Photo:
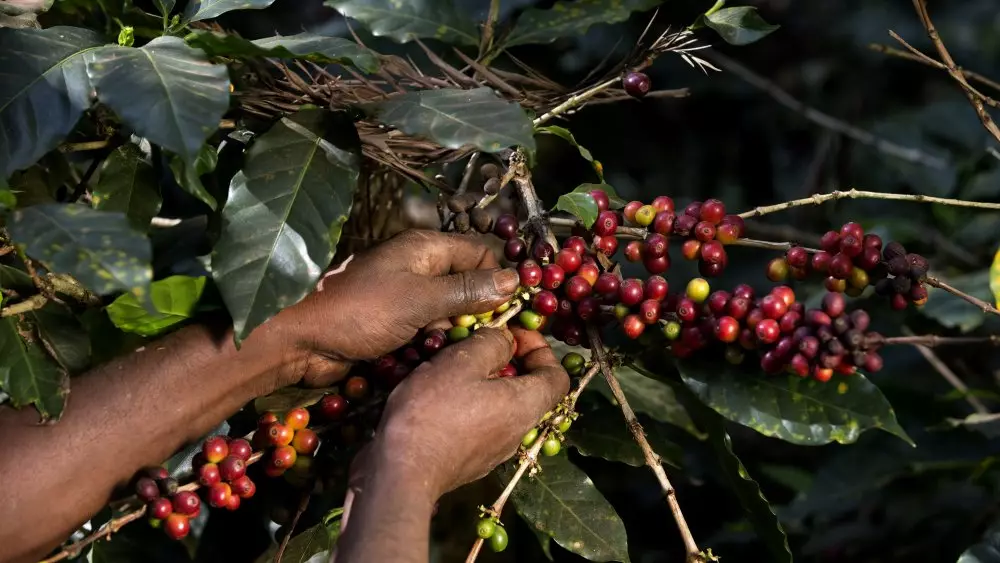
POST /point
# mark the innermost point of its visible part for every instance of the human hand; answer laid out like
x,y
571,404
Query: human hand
x,y
383,298
450,422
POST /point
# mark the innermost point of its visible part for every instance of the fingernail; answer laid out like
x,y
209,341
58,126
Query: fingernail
x,y
505,281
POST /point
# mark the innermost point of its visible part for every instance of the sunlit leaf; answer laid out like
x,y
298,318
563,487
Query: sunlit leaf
x,y
174,300
28,375
128,185
580,205
305,46
198,10
406,20
740,25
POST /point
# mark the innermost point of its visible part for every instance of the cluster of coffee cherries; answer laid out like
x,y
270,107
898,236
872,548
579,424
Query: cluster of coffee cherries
x,y
787,336
288,444
852,260
166,506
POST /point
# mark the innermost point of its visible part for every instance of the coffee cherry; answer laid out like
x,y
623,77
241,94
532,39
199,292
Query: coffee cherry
x,y
797,257
606,245
712,211
283,457
710,270
841,266
743,290
777,270
333,407
552,276
656,265
601,199
607,284
297,419
850,245
630,209
177,526
244,487
588,308
691,249
727,329
663,223
636,84
892,250
672,330
717,301
852,229
568,261
738,307
768,331
771,363
356,388
565,425
645,215
515,250
545,303
589,272
773,307
168,486
215,449
656,245
713,252
551,447
868,259
485,528
799,365
606,223
530,320
873,362
687,310
529,438
574,335
918,294
630,292
574,244
209,474
146,489
576,288
218,495
684,225
498,541
727,233
693,209
186,503
506,226
232,468
655,288
821,261
305,441
633,326
160,508
918,265
542,252
663,203
697,290
649,311
633,251
830,242
902,285
704,231
279,435
573,363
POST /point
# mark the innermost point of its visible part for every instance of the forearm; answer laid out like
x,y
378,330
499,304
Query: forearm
x,y
131,413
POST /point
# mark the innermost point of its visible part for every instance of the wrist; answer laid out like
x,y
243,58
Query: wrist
x,y
396,468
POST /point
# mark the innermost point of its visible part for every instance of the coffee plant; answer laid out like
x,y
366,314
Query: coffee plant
x,y
130,130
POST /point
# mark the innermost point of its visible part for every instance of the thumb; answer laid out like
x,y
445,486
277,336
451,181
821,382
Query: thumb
x,y
470,292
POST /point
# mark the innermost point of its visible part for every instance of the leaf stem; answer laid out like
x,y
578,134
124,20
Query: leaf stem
x,y
653,460
860,194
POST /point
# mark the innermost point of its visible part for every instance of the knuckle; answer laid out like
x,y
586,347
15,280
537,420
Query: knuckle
x,y
467,288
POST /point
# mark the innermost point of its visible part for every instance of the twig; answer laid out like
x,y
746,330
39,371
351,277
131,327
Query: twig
x,y
116,524
949,376
30,304
986,307
48,285
860,194
976,101
974,76
862,136
653,460
768,245
576,100
933,340
303,504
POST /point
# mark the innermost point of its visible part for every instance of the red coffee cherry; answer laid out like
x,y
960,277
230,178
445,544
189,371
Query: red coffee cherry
x,y
506,227
606,224
712,211
606,245
691,249
278,434
684,225
656,265
821,261
601,199
797,257
799,365
633,251
630,292
545,303
588,308
177,526
305,442
687,310
789,322
743,290
773,307
704,231
830,242
771,363
869,258
872,241
834,304
209,475
727,233
234,501
649,311
297,419
710,270
656,246
530,273
186,503
515,250
575,244
727,329
146,489
655,288
542,252
607,284
663,203
240,448
568,260
636,84
852,229
232,468
841,266
356,388
633,326
738,307
283,457
663,223
713,252
577,288
244,487
630,209
768,331
160,508
589,272
717,301
553,276
218,495
850,245
333,407
693,209
215,449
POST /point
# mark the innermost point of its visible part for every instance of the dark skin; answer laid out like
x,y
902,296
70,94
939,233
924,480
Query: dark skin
x,y
137,410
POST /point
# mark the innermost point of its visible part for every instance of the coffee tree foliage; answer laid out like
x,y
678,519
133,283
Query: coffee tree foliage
x,y
117,118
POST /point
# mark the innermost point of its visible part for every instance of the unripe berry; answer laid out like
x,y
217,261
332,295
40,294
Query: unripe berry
x,y
691,249
218,495
645,215
530,320
841,266
918,294
486,528
835,285
633,326
649,311
630,209
545,303
727,233
672,330
283,457
146,489
573,363
356,387
589,272
177,526
186,503
606,224
727,329
663,223
713,252
797,257
830,242
606,245
712,211
461,320
858,278
305,441
297,419
577,287
528,439
215,449
777,270
530,273
333,407
687,310
704,231
244,487
663,203
498,541
633,251
697,290
630,292
656,265
768,331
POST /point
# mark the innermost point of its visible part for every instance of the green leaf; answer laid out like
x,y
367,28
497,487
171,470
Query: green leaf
x,y
14,278
198,10
797,410
8,200
288,398
954,312
580,205
565,19
165,6
406,20
28,375
562,502
189,93
565,134
741,25
758,509
97,248
188,176
63,336
603,433
312,545
995,278
174,300
305,46
283,219
987,550
454,118
128,184
43,92
650,397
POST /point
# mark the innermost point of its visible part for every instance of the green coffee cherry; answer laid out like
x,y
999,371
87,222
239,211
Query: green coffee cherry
x,y
672,330
529,438
573,363
565,425
552,446
530,320
498,541
486,528
458,333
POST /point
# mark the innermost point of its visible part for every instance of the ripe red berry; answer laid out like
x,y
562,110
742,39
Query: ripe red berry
x,y
575,244
215,449
777,270
693,209
356,388
278,434
240,448
649,311
918,294
297,419
244,487
305,441
841,266
691,249
209,475
633,251
663,223
656,265
743,290
186,503
177,526
713,210
738,307
822,374
684,225
830,242
146,489
709,270
232,468
542,252
773,307
834,304
636,84
333,407
873,362
606,245
633,326
234,500
569,260
789,322
687,310
663,203
565,308
218,495
630,209
655,288
799,365
727,329
601,199
606,224
656,245
704,231
588,308
606,284
713,252
505,227
530,273
872,241
630,292
545,303
852,229
283,457
850,245
768,331
797,257
589,272
577,287
869,258
717,301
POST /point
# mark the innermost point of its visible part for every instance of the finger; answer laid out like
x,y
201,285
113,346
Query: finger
x,y
468,292
430,253
486,351
528,341
544,384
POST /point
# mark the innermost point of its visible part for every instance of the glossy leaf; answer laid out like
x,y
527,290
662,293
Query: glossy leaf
x,y
28,374
305,46
283,218
954,312
454,118
198,10
995,278
603,433
63,336
128,185
310,546
650,397
166,91
97,248
566,135
406,20
565,19
43,74
797,410
288,398
580,205
188,176
739,25
174,300
562,502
